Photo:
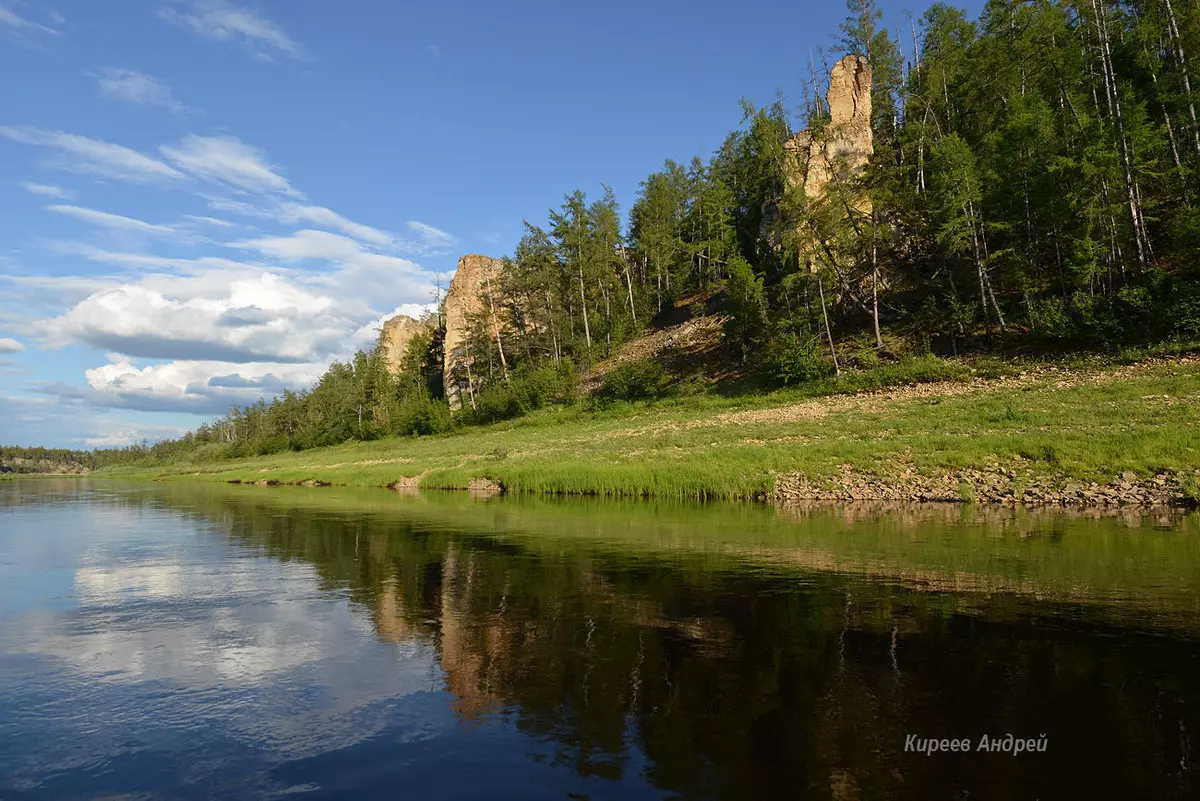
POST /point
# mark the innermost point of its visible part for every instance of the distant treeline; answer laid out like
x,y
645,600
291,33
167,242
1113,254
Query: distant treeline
x,y
15,459
1034,183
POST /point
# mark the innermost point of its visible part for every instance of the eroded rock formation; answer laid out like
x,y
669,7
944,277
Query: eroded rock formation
x,y
843,147
397,334
472,293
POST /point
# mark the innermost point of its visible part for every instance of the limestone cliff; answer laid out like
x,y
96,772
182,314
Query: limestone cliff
x,y
843,148
471,294
397,334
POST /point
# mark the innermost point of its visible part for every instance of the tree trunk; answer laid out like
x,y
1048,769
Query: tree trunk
x,y
587,331
1110,82
629,285
496,327
837,370
1183,70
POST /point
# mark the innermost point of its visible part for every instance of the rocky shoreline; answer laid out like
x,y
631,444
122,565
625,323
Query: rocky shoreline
x,y
993,485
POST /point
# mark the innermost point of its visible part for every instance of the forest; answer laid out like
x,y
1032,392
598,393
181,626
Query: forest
x,y
1033,188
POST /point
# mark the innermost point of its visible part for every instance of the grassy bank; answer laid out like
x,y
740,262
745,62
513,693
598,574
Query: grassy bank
x,y
1081,423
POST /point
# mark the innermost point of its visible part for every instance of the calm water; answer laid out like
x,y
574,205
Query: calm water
x,y
243,642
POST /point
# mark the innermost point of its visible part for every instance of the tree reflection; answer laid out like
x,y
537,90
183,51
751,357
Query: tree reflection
x,y
714,676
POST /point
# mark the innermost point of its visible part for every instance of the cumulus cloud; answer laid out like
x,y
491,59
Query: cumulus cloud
x,y
260,319
94,157
47,190
131,86
10,346
200,387
227,160
223,22
104,219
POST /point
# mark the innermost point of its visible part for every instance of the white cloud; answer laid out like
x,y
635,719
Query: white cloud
x,y
11,18
433,238
47,190
197,386
138,88
227,160
10,346
220,270
93,156
114,221
327,218
310,244
222,22
288,213
131,435
265,318
199,218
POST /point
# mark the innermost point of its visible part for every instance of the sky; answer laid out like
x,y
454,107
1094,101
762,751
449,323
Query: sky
x,y
204,202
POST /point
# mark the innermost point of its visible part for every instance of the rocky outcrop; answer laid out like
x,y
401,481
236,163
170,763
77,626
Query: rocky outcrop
x,y
841,148
472,294
397,334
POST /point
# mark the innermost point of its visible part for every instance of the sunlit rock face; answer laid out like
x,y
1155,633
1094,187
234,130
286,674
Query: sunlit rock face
x,y
471,294
397,334
843,148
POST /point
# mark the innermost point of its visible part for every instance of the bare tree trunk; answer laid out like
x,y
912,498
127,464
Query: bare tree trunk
x,y
496,327
587,331
1110,82
837,370
629,285
875,283
1183,70
553,328
983,299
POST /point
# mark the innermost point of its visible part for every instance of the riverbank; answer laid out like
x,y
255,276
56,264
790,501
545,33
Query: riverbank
x,y
1082,436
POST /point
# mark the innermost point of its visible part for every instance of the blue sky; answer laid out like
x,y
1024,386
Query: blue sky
x,y
205,201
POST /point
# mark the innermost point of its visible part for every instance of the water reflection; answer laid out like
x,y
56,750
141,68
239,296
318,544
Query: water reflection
x,y
332,642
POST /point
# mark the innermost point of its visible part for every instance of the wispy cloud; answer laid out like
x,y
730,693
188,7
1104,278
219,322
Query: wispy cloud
x,y
10,346
47,190
433,238
327,218
227,160
12,19
92,156
224,22
104,219
200,218
131,86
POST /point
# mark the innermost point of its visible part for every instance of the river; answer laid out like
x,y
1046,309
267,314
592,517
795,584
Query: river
x,y
204,641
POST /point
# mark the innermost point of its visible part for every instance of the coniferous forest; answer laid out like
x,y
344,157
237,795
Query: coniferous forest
x,y
1034,187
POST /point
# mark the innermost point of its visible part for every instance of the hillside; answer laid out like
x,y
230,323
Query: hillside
x,y
1114,435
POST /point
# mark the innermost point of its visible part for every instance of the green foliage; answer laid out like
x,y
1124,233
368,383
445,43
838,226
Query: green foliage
x,y
525,391
792,358
641,379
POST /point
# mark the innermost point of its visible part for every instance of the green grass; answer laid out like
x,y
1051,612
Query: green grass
x,y
1087,425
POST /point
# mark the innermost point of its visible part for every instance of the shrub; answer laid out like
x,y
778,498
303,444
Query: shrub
x,y
634,380
794,359
422,417
526,390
